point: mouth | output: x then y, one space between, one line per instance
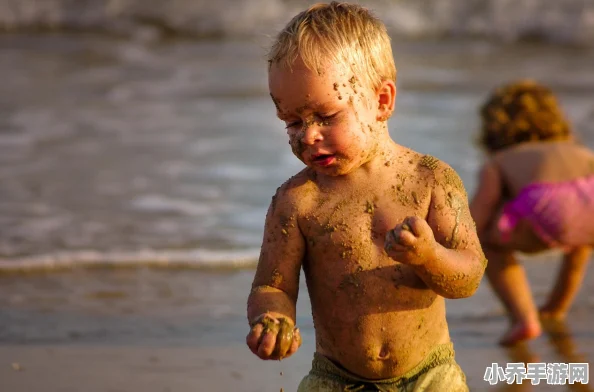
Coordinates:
323 159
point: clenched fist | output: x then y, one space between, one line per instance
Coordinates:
273 337
411 242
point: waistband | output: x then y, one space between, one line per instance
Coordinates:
578 183
324 367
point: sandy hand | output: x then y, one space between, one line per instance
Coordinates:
273 337
410 242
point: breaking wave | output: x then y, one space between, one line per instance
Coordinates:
568 21
190 259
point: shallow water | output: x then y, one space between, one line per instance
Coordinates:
182 330
115 151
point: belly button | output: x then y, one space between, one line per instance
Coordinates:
384 352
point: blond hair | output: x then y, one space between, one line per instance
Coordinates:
519 112
347 33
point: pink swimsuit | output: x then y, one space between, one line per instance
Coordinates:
561 214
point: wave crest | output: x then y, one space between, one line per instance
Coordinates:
191 259
566 21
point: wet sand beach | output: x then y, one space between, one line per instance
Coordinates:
158 330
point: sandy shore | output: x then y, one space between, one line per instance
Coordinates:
195 354
215 369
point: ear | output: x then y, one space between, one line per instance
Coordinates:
386 99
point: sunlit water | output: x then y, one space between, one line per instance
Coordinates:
118 152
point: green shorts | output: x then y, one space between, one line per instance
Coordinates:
437 372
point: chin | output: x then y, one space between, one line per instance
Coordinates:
337 171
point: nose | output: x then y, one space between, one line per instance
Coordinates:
311 134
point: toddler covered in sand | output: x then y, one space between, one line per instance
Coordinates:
383 233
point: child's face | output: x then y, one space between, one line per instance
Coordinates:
334 122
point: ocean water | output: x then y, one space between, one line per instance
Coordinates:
568 21
123 152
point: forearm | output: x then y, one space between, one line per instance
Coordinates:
453 273
267 299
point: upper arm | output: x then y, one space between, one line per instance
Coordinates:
283 245
449 214
487 196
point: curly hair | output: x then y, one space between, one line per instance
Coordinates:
519 112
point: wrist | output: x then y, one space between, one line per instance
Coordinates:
265 317
428 258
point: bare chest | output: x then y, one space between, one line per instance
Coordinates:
350 228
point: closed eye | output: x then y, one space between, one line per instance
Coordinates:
325 119
328 116
294 124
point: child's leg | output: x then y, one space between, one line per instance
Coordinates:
508 279
569 280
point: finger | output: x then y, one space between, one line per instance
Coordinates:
267 343
418 226
412 224
393 248
253 338
284 339
297 337
405 238
397 251
295 344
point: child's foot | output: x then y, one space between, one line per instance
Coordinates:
520 332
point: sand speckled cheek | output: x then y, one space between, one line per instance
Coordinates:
295 141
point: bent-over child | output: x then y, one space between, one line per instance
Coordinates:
383 233
535 192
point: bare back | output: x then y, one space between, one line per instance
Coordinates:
543 162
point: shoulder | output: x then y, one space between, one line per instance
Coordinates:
439 174
581 149
520 150
294 193
299 184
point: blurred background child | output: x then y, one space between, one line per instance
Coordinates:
535 193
